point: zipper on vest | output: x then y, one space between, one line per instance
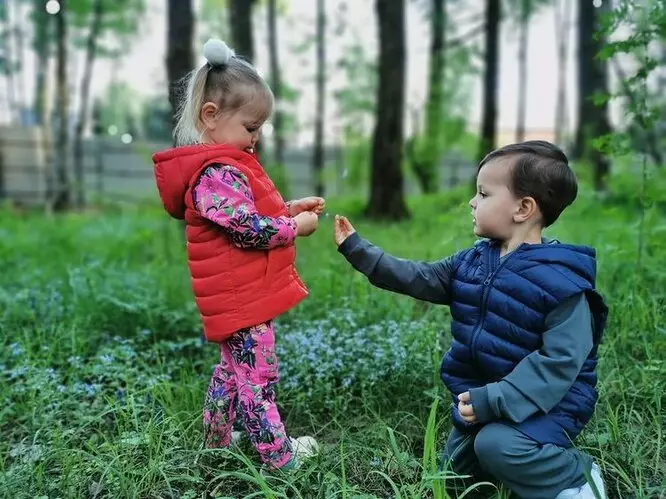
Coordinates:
484 299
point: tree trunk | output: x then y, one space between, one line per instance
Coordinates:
490 79
180 58
276 84
91 52
386 184
562 19
318 152
592 79
21 55
61 198
240 20
42 53
522 69
9 60
426 168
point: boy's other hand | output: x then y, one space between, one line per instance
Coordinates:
306 223
342 229
465 409
311 203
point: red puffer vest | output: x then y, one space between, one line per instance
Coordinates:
234 288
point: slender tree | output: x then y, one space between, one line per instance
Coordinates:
276 83
490 78
62 197
91 52
318 153
180 58
386 183
592 80
562 31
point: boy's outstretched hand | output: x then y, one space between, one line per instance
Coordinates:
311 203
342 229
465 409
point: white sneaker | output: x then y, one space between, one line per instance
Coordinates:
303 448
586 491
236 437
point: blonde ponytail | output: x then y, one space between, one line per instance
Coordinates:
187 130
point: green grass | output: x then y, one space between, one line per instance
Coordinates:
102 371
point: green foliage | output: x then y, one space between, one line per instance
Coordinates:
441 124
429 147
119 24
102 372
636 29
520 11
214 18
356 104
156 118
8 64
121 107
356 100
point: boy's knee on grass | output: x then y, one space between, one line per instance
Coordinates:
491 445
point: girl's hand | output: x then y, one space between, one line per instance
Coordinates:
465 409
312 203
342 229
306 223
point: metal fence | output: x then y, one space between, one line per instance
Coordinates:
120 172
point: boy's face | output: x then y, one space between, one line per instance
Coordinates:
494 206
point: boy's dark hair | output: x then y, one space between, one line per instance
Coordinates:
541 171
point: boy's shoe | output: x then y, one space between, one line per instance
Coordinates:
586 491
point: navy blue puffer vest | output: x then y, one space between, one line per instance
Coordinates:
499 308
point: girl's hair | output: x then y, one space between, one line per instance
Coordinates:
227 80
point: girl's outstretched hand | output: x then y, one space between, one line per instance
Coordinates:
342 229
311 203
306 223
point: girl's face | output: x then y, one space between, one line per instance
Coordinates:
240 129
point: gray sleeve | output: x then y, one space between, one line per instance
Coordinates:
421 280
544 377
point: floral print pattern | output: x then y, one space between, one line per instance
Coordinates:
223 196
244 383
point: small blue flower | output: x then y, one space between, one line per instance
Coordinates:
18 372
106 359
74 361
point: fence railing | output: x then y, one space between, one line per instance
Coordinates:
124 172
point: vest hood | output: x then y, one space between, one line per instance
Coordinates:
175 169
580 260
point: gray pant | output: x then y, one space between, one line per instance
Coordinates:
527 468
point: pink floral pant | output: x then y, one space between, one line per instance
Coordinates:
244 381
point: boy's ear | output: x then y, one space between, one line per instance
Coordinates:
527 209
